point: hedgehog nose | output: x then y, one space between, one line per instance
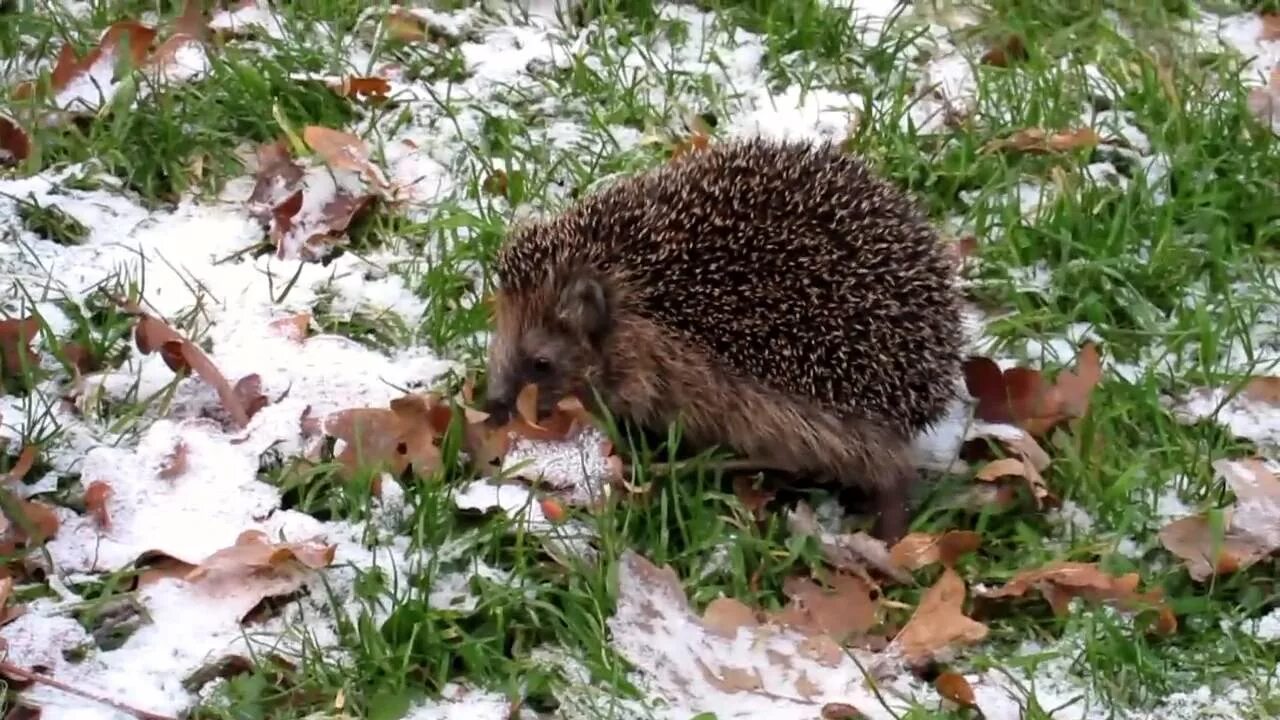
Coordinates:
499 410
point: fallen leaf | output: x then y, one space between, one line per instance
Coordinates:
727 655
1022 397
248 390
840 711
552 509
357 86
16 356
174 463
1004 53
153 334
342 150
1039 140
1020 468
275 179
252 551
96 497
754 498
294 327
919 549
1270 26
527 405
26 460
852 552
1060 582
955 688
82 358
15 144
1263 389
846 609
1251 526
8 613
404 26
22 516
939 621
399 437
153 567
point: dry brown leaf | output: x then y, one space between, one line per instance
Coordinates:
16 356
375 88
404 26
725 615
1270 26
253 551
399 437
1263 389
1005 52
153 567
852 552
82 359
1060 582
754 497
174 463
343 150
96 498
840 711
26 460
527 405
1021 468
919 549
8 612
276 178
295 327
696 141
1250 526
845 610
939 622
132 34
1022 396
248 390
153 334
1039 140
15 144
28 514
955 688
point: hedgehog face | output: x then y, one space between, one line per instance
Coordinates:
560 349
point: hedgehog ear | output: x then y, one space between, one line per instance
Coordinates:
584 306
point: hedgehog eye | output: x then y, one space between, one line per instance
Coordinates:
541 366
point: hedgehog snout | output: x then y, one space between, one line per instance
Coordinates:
499 409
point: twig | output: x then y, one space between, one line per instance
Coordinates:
8 668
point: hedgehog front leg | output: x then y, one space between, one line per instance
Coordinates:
893 514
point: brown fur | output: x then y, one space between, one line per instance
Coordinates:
776 299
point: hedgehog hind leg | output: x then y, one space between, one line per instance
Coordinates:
879 460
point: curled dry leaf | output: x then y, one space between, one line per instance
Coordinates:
375 88
15 144
26 521
248 390
16 356
96 498
1022 396
918 549
1250 528
153 334
1039 140
396 438
1060 582
131 35
939 621
1021 468
253 551
955 688
7 612
154 566
276 178
26 460
342 150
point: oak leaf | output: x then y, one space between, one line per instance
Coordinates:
96 498
253 551
342 150
15 143
939 621
151 334
1250 528
1060 582
1039 140
1023 397
919 549
16 356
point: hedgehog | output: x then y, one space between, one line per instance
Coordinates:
775 298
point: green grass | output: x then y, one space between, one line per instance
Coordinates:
1147 267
